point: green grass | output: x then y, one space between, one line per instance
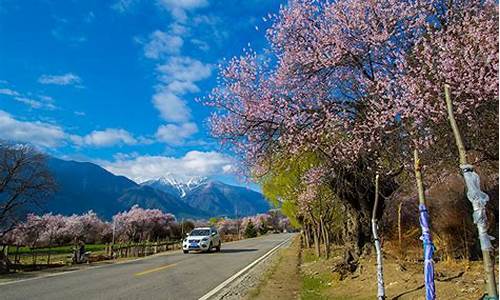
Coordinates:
313 285
309 256
57 250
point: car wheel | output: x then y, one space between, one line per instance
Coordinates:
218 247
185 251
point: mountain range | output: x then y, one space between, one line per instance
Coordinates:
84 186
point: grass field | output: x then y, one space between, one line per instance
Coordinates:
56 250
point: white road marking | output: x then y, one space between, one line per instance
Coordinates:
232 278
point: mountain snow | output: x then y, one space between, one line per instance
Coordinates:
176 185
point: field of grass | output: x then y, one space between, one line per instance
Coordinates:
314 285
56 250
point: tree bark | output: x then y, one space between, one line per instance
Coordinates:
357 232
378 248
307 236
430 289
316 233
476 197
5 264
325 238
400 232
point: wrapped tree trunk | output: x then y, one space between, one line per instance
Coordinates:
478 198
378 248
430 290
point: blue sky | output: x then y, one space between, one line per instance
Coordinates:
114 82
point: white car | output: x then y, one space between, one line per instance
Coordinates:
202 238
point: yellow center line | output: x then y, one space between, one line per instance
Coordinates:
154 270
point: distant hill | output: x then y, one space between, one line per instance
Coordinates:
84 186
148 197
214 197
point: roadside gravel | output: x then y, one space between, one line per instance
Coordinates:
242 286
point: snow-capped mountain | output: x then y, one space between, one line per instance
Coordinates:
211 197
176 186
84 186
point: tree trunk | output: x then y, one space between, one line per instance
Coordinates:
466 241
316 233
357 235
378 247
307 236
16 257
400 232
325 238
5 264
430 289
477 198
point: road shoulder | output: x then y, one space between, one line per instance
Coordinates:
275 272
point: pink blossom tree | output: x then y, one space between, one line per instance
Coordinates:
347 82
140 224
86 228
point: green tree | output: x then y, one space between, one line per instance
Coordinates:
250 231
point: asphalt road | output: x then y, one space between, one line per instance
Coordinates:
170 276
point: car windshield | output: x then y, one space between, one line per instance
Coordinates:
200 232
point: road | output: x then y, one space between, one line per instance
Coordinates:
170 276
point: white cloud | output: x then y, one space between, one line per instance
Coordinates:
178 76
184 69
35 103
182 87
45 102
202 45
123 6
65 79
179 8
36 133
105 138
193 163
9 92
176 134
171 107
161 43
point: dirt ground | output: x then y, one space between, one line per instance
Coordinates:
453 279
282 280
299 275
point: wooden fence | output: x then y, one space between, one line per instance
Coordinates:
51 257
141 249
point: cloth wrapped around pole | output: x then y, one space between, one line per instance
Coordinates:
430 290
479 199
